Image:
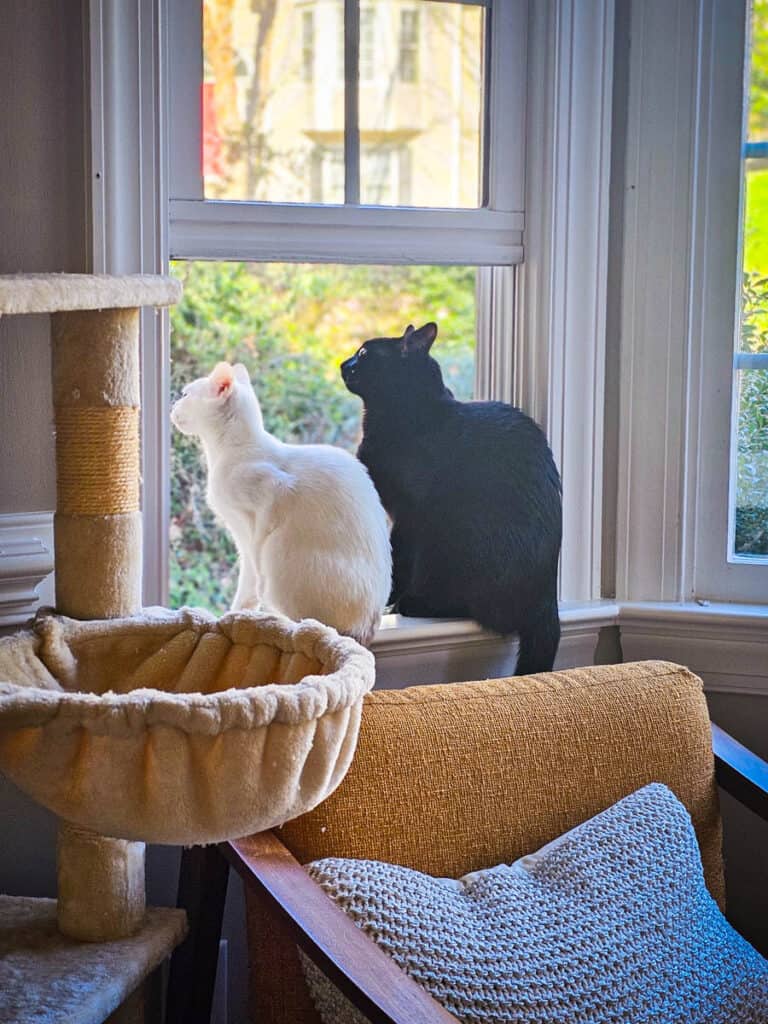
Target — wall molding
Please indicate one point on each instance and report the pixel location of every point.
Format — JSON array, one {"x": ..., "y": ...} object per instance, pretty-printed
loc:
[{"x": 26, "y": 559}]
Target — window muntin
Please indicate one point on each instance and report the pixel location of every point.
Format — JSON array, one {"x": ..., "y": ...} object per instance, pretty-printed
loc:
[
  {"x": 749, "y": 471},
  {"x": 292, "y": 325},
  {"x": 270, "y": 99}
]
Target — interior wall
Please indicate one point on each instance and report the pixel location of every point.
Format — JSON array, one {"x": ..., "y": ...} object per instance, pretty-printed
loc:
[
  {"x": 42, "y": 222},
  {"x": 42, "y": 228}
]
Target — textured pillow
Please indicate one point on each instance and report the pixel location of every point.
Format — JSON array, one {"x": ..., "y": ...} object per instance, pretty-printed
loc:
[{"x": 611, "y": 922}]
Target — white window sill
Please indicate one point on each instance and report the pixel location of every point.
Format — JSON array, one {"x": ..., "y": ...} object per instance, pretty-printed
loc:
[
  {"x": 693, "y": 613},
  {"x": 398, "y": 633}
]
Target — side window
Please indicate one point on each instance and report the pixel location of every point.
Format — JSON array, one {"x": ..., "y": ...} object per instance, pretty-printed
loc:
[{"x": 749, "y": 470}]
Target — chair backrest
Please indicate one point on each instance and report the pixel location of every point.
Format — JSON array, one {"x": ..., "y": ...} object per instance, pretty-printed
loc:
[{"x": 451, "y": 778}]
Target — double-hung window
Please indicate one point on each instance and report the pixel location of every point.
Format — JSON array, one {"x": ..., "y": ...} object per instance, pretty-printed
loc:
[{"x": 310, "y": 209}]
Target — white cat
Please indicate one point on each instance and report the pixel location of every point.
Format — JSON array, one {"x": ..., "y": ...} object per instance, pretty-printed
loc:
[{"x": 310, "y": 530}]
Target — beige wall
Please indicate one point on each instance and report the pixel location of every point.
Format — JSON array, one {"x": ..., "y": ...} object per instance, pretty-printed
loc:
[
  {"x": 42, "y": 227},
  {"x": 42, "y": 221}
]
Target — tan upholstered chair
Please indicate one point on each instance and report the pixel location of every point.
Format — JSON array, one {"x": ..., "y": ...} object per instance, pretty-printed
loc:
[{"x": 448, "y": 779}]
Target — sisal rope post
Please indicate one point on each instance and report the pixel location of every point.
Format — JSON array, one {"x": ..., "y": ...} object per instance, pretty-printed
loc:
[
  {"x": 96, "y": 398},
  {"x": 97, "y": 536}
]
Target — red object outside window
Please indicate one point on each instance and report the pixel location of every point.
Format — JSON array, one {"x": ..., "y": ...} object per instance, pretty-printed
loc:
[{"x": 212, "y": 149}]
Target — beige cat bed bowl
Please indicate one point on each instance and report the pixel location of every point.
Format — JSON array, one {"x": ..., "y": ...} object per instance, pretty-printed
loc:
[{"x": 172, "y": 727}]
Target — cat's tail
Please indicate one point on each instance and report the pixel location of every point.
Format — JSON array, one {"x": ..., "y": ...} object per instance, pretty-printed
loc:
[{"x": 539, "y": 640}]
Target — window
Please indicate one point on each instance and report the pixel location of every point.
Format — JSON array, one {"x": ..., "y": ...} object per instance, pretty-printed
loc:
[
  {"x": 409, "y": 46},
  {"x": 749, "y": 486},
  {"x": 308, "y": 247},
  {"x": 203, "y": 88},
  {"x": 268, "y": 104}
]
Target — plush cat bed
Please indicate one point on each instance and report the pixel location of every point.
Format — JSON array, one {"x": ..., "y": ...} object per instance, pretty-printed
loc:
[{"x": 180, "y": 728}]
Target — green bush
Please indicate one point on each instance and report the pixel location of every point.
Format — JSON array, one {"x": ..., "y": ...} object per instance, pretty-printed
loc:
[{"x": 752, "y": 437}]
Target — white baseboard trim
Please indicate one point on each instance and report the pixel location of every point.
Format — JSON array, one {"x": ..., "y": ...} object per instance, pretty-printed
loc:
[{"x": 26, "y": 561}]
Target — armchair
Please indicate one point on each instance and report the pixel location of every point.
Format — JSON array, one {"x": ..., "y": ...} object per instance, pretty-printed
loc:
[{"x": 448, "y": 779}]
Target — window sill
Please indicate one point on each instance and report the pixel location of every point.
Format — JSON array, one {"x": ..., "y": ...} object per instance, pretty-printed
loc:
[
  {"x": 706, "y": 615},
  {"x": 399, "y": 634}
]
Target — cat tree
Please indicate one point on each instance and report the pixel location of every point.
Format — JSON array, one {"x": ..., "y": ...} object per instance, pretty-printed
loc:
[{"x": 174, "y": 729}]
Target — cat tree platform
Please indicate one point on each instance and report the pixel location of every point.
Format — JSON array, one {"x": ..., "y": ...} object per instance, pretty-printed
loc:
[{"x": 51, "y": 979}]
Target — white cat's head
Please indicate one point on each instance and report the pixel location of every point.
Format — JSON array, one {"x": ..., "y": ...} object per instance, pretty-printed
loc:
[{"x": 210, "y": 402}]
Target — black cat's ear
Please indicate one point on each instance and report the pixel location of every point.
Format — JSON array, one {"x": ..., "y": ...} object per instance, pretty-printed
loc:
[{"x": 419, "y": 341}]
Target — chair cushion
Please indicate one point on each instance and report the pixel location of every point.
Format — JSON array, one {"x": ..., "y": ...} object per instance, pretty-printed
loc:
[{"x": 612, "y": 922}]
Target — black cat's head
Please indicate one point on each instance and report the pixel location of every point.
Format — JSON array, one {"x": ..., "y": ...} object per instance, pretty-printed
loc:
[{"x": 395, "y": 367}]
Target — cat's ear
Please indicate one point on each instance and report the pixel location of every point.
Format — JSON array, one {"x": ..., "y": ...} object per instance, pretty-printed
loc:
[
  {"x": 223, "y": 380},
  {"x": 241, "y": 372},
  {"x": 419, "y": 341}
]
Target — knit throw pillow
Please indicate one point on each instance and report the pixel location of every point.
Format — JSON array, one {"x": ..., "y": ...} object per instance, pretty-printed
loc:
[{"x": 611, "y": 922}]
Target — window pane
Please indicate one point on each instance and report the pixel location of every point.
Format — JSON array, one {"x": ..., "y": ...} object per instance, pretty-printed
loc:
[
  {"x": 752, "y": 464},
  {"x": 272, "y": 102},
  {"x": 292, "y": 325},
  {"x": 751, "y": 442},
  {"x": 274, "y": 108},
  {"x": 422, "y": 105}
]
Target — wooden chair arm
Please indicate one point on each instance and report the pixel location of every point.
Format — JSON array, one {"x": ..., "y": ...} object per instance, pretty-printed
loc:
[
  {"x": 740, "y": 772},
  {"x": 369, "y": 978}
]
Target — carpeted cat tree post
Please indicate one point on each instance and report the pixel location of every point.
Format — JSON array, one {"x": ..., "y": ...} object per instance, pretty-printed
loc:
[{"x": 97, "y": 527}]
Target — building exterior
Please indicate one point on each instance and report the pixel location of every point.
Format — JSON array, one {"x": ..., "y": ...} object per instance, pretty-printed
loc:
[{"x": 274, "y": 101}]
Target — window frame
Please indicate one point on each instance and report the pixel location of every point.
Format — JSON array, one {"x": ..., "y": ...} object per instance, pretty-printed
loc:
[
  {"x": 491, "y": 234},
  {"x": 680, "y": 301},
  {"x": 539, "y": 344}
]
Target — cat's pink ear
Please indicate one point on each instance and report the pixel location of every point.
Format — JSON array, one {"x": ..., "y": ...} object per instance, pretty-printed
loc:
[{"x": 223, "y": 379}]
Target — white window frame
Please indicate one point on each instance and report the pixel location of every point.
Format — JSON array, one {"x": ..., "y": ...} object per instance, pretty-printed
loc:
[
  {"x": 682, "y": 222},
  {"x": 539, "y": 343},
  {"x": 491, "y": 235}
]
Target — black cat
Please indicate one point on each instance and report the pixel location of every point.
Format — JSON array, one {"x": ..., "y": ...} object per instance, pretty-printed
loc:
[{"x": 473, "y": 494}]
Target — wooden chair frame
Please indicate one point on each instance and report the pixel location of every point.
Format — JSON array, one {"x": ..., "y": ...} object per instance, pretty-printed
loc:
[{"x": 363, "y": 972}]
